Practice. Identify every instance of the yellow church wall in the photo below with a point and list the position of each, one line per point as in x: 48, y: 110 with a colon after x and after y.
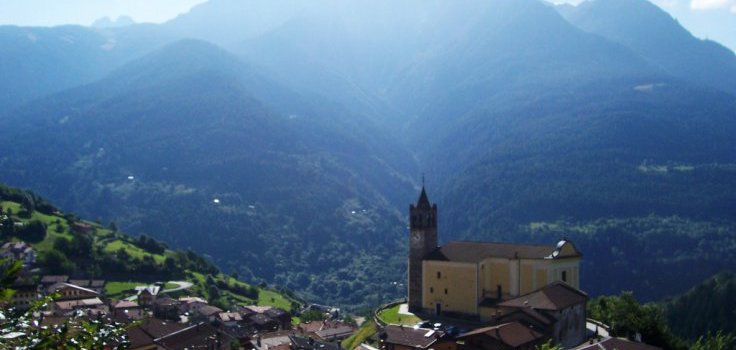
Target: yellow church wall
x: 566, y: 270
x: 450, y: 284
x: 527, y: 277
x: 495, y: 272
x: 542, y: 278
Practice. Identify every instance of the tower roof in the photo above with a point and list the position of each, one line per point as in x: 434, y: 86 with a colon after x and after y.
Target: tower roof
x: 423, y: 201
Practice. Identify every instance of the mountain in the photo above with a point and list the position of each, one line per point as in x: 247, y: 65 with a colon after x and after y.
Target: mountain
x: 264, y: 180
x: 288, y: 152
x: 659, y: 38
x: 106, y: 22
x: 38, y: 61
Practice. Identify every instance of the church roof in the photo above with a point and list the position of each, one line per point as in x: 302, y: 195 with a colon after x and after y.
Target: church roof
x: 554, y: 296
x: 475, y: 252
x: 423, y: 201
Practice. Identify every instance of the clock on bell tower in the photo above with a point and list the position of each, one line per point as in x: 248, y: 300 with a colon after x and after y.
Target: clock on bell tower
x: 422, y: 241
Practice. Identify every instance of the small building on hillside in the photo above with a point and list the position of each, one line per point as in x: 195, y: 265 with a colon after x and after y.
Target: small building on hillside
x: 49, y: 280
x: 68, y: 291
x: 147, y: 294
x: 26, y: 293
x: 93, y: 284
x: 21, y: 251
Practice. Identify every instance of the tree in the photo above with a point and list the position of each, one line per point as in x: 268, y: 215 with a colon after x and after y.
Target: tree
x: 718, y: 341
x: 549, y: 345
x: 627, y: 318
x: 33, y: 231
x: 9, y: 273
x: 312, y: 315
x: 56, y: 262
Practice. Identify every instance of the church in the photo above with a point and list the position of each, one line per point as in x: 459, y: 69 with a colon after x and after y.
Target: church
x: 471, y: 279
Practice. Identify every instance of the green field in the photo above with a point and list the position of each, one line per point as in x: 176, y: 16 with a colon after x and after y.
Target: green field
x: 116, y: 289
x: 132, y: 250
x: 392, y: 316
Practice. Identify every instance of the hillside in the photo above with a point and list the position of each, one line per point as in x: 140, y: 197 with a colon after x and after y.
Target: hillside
x: 707, y: 307
x: 66, y: 244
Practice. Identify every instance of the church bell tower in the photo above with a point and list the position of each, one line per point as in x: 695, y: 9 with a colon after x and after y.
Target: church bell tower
x: 422, y: 241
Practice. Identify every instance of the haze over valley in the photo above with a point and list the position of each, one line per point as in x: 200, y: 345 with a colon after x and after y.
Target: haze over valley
x: 285, y: 139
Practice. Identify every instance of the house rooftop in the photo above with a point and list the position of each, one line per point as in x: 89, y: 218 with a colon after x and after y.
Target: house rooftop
x: 411, y: 337
x: 554, y: 296
x: 513, y: 334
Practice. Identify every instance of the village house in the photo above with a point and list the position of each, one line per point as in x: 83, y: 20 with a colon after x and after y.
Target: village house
x: 398, y: 337
x: 305, y: 343
x: 166, y: 308
x: 558, y: 301
x: 68, y: 291
x: 95, y: 285
x: 126, y: 311
x: 26, y: 293
x: 147, y: 294
x: 191, y: 304
x: 198, y: 336
x: 229, y: 319
x: 507, y: 336
x: 49, y: 280
x: 208, y: 313
x: 20, y: 251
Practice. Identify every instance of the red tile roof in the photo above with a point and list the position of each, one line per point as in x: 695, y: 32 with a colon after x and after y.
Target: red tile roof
x: 409, y: 336
x: 513, y: 334
x: 554, y: 296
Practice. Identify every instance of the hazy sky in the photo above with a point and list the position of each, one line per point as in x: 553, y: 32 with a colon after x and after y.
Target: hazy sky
x: 84, y: 12
x: 714, y: 19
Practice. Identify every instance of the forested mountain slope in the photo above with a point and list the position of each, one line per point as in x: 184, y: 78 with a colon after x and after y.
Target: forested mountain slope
x: 289, y: 152
x: 192, y: 134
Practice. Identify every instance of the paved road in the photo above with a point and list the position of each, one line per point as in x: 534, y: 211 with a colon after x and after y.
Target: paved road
x: 182, y: 285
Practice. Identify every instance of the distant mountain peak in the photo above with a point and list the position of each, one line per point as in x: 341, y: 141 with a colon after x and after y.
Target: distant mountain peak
x: 106, y: 22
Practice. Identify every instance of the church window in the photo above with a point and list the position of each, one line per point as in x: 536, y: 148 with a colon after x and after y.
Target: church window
x: 564, y: 276
x: 431, y: 290
x: 439, y: 275
x: 445, y: 291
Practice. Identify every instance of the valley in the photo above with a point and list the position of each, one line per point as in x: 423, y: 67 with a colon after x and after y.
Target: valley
x: 286, y: 149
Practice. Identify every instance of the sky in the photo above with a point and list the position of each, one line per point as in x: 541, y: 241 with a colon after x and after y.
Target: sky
x: 84, y: 12
x: 712, y: 19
